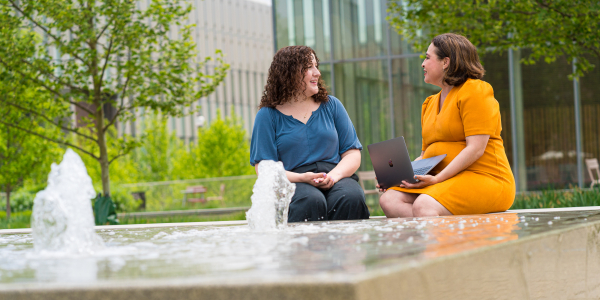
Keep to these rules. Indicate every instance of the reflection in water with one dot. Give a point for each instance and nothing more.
(468, 234)
(321, 248)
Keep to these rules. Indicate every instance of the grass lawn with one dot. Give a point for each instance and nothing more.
(558, 198)
(180, 219)
(21, 219)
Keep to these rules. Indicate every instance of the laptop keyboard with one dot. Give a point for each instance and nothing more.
(421, 171)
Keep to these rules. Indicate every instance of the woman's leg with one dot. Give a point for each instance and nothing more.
(396, 204)
(308, 204)
(427, 206)
(346, 201)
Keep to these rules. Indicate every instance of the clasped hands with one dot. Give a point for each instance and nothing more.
(322, 181)
(424, 181)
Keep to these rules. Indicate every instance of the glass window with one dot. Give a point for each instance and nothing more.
(590, 112)
(496, 74)
(325, 70)
(398, 46)
(549, 125)
(358, 28)
(363, 89)
(303, 22)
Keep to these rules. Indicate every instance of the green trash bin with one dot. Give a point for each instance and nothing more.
(104, 211)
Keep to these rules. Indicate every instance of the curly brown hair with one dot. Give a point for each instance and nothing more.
(286, 74)
(464, 60)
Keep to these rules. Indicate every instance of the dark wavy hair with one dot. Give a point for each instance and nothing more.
(286, 74)
(464, 60)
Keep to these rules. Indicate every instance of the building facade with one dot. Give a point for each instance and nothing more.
(243, 31)
(550, 123)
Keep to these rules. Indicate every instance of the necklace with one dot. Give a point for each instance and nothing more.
(306, 114)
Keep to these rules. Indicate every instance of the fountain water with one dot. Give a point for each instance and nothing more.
(271, 197)
(62, 218)
(552, 254)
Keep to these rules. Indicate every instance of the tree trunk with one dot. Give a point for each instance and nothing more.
(8, 202)
(103, 160)
(103, 155)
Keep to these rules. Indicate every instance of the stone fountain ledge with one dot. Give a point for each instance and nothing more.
(522, 257)
(244, 222)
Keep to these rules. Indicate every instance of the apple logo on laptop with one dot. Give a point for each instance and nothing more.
(390, 163)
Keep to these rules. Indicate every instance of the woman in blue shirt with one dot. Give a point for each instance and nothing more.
(311, 133)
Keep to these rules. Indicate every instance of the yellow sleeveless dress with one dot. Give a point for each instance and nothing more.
(488, 184)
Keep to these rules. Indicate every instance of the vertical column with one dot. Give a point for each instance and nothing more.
(577, 98)
(331, 49)
(390, 83)
(516, 114)
(274, 20)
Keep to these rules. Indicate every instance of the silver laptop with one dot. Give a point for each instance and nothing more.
(392, 164)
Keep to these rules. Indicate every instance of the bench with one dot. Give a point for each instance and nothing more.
(200, 191)
(364, 176)
(592, 165)
(194, 191)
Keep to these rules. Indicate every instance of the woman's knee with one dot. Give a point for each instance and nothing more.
(307, 194)
(392, 197)
(308, 204)
(427, 206)
(386, 199)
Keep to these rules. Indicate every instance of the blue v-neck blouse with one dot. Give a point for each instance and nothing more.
(327, 134)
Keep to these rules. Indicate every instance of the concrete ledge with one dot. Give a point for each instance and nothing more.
(560, 264)
(563, 264)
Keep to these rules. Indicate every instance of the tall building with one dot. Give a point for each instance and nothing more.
(243, 31)
(378, 78)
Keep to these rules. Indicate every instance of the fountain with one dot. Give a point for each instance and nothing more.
(271, 197)
(537, 254)
(62, 219)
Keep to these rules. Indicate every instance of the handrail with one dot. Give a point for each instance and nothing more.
(188, 181)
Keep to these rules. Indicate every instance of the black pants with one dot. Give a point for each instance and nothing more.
(344, 201)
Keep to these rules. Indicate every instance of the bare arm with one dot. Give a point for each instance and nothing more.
(308, 177)
(349, 163)
(473, 151)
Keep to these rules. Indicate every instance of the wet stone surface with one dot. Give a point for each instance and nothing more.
(320, 248)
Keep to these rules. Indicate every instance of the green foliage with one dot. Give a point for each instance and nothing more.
(161, 156)
(558, 198)
(549, 28)
(17, 220)
(222, 150)
(104, 53)
(155, 158)
(23, 155)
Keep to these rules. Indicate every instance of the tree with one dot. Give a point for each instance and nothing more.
(222, 150)
(114, 54)
(21, 154)
(549, 28)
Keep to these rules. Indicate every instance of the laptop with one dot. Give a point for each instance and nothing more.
(392, 165)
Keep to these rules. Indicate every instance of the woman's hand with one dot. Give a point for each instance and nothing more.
(318, 180)
(424, 181)
(378, 187)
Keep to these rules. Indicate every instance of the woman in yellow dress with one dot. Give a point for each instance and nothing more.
(462, 121)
